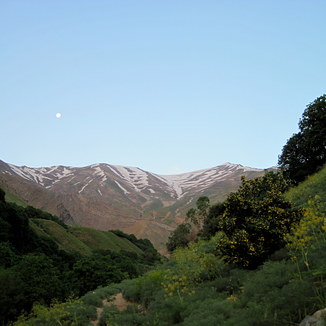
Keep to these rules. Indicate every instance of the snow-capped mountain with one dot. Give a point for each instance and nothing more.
(128, 179)
(108, 196)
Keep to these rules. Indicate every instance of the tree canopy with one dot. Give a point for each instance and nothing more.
(305, 152)
(180, 237)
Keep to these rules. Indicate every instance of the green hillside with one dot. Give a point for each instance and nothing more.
(10, 198)
(313, 188)
(82, 240)
(65, 240)
(96, 239)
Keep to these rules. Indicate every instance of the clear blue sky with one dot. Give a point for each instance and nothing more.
(168, 85)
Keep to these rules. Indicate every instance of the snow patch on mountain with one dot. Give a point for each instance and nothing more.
(123, 189)
(64, 173)
(201, 179)
(136, 178)
(85, 185)
(20, 172)
(101, 173)
(42, 176)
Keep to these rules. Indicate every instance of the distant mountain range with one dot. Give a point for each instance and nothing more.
(104, 196)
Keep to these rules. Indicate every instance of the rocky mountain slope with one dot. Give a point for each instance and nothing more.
(105, 196)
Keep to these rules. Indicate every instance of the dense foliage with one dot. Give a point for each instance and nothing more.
(150, 254)
(34, 269)
(255, 221)
(305, 152)
(193, 225)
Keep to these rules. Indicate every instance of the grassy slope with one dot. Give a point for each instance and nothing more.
(82, 240)
(10, 198)
(61, 236)
(315, 185)
(96, 239)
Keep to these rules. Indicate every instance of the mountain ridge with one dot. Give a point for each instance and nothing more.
(134, 175)
(106, 196)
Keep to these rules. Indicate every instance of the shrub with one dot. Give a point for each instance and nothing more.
(70, 313)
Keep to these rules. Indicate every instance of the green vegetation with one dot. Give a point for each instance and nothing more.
(42, 262)
(180, 237)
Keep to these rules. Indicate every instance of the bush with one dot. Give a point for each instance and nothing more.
(70, 313)
(143, 290)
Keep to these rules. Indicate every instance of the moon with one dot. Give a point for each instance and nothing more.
(58, 115)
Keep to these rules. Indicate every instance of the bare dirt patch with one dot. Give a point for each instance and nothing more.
(118, 301)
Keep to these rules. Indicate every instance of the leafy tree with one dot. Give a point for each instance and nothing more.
(2, 195)
(91, 272)
(255, 221)
(305, 152)
(33, 212)
(199, 214)
(15, 226)
(211, 223)
(8, 257)
(180, 237)
(12, 299)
